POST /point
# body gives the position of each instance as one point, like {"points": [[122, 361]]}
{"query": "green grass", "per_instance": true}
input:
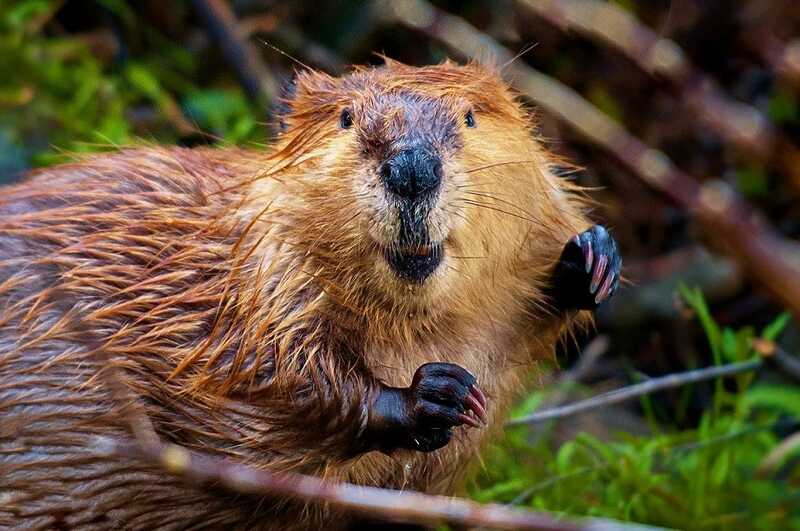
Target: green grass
{"points": [[710, 476]]}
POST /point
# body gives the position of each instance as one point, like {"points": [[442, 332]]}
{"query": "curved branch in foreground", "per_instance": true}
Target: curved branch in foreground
{"points": [[771, 260], [404, 506]]}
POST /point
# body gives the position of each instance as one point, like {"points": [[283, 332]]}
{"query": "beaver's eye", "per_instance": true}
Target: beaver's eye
{"points": [[469, 119], [346, 119]]}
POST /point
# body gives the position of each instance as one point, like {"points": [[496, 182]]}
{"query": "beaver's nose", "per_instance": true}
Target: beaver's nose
{"points": [[412, 173]]}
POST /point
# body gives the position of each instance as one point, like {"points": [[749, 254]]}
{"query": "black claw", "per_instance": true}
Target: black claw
{"points": [[588, 271]]}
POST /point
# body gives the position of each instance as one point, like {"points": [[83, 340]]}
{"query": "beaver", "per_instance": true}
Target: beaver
{"points": [[362, 301]]}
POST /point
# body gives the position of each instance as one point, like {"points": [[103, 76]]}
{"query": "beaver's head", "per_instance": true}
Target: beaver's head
{"points": [[419, 177]]}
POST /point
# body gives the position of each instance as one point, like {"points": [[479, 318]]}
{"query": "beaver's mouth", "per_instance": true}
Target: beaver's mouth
{"points": [[415, 263]]}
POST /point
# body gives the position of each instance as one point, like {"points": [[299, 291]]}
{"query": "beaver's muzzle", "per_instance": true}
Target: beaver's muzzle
{"points": [[412, 176]]}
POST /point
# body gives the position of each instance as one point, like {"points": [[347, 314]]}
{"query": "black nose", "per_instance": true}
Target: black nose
{"points": [[412, 173]]}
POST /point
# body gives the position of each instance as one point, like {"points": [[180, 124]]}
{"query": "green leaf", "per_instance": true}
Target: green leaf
{"points": [[530, 404], [564, 456], [694, 297], [774, 329], [24, 11], [143, 80], [730, 345], [503, 491], [783, 398], [720, 468]]}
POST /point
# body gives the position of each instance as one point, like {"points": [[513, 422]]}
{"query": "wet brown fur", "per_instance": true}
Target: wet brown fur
{"points": [[252, 314]]}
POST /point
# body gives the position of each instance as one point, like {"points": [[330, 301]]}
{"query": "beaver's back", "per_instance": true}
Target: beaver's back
{"points": [[122, 243]]}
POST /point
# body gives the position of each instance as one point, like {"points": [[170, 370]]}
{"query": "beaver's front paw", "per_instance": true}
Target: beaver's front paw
{"points": [[588, 271], [421, 416], [441, 396]]}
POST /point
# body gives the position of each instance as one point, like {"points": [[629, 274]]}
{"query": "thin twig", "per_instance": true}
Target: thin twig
{"points": [[565, 383], [630, 392], [778, 454], [788, 363], [768, 350], [773, 352], [525, 495], [728, 437], [591, 354], [746, 236]]}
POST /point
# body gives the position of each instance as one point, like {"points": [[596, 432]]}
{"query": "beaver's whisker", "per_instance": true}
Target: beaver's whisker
{"points": [[455, 213], [496, 164], [503, 201], [490, 207]]}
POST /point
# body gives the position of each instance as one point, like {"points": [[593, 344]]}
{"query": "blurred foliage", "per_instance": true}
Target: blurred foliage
{"points": [[709, 476], [58, 97], [88, 75]]}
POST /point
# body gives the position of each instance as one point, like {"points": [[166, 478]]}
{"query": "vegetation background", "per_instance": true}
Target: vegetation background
{"points": [[87, 75]]}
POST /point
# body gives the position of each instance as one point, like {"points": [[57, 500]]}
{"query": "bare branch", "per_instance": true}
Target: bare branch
{"points": [[770, 260], [393, 505], [737, 122], [774, 353], [223, 27], [630, 392], [783, 58], [768, 351]]}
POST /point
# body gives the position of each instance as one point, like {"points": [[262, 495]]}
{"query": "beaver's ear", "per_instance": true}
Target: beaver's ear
{"points": [[308, 89]]}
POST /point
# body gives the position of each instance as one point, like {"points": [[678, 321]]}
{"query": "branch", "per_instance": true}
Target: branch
{"points": [[223, 27], [774, 353], [768, 351], [405, 506], [737, 122], [384, 503], [653, 385], [783, 58], [770, 260]]}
